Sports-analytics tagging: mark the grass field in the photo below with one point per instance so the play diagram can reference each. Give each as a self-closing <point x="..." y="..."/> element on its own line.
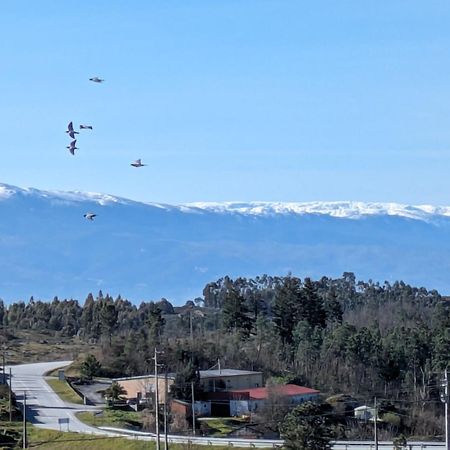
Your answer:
<point x="28" y="346"/>
<point x="63" y="389"/>
<point x="55" y="440"/>
<point x="112" y="418"/>
<point x="222" y="426"/>
<point x="72" y="370"/>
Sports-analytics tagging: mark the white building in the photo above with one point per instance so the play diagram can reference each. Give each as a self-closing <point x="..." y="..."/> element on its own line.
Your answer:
<point x="364" y="413"/>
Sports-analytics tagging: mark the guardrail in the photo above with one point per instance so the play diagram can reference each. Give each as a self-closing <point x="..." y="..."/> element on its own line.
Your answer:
<point x="270" y="443"/>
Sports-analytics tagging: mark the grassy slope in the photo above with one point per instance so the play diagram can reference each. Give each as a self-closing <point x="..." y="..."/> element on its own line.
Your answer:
<point x="63" y="389"/>
<point x="112" y="418"/>
<point x="72" y="370"/>
<point x="28" y="346"/>
<point x="222" y="426"/>
<point x="54" y="440"/>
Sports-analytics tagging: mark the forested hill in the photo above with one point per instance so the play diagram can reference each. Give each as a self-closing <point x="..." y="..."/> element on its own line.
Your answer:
<point x="338" y="335"/>
<point x="150" y="250"/>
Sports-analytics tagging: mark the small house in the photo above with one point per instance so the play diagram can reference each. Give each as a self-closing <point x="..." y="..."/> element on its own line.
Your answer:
<point x="144" y="386"/>
<point x="364" y="412"/>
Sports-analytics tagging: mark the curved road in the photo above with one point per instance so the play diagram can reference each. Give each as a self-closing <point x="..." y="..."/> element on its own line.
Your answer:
<point x="44" y="406"/>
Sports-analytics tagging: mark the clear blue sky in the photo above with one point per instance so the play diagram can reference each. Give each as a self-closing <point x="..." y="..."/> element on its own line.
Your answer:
<point x="285" y="100"/>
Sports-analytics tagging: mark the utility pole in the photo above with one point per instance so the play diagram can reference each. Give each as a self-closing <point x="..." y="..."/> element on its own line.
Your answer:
<point x="445" y="399"/>
<point x="375" y="425"/>
<point x="193" y="408"/>
<point x="10" y="395"/>
<point x="156" y="400"/>
<point x="4" y="365"/>
<point x="24" y="427"/>
<point x="191" y="329"/>
<point x="166" y="394"/>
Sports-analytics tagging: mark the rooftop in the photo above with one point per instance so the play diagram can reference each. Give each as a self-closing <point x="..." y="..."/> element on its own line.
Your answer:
<point x="161" y="376"/>
<point x="288" y="390"/>
<point x="203" y="374"/>
<point x="365" y="408"/>
<point x="226" y="373"/>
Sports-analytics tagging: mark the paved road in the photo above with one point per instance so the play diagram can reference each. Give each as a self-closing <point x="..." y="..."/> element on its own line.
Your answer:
<point x="44" y="406"/>
<point x="91" y="392"/>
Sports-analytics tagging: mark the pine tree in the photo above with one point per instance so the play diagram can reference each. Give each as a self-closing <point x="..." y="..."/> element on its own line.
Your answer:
<point x="108" y="317"/>
<point x="115" y="392"/>
<point x="333" y="308"/>
<point x="235" y="315"/>
<point x="288" y="297"/>
<point x="155" y="325"/>
<point x="305" y="428"/>
<point x="90" y="367"/>
<point x="311" y="306"/>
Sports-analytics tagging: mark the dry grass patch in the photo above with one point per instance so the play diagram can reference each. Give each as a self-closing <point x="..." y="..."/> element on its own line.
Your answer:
<point x="63" y="389"/>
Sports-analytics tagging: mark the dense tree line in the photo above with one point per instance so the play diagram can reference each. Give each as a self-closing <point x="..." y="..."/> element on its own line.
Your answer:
<point x="337" y="335"/>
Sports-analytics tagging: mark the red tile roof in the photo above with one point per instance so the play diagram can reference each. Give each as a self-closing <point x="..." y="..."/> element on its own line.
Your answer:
<point x="288" y="390"/>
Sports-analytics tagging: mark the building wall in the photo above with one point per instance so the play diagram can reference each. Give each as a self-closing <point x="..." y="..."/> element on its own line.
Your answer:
<point x="297" y="399"/>
<point x="202" y="408"/>
<point x="180" y="407"/>
<point x="364" y="413"/>
<point x="244" y="407"/>
<point x="239" y="408"/>
<point x="227" y="383"/>
<point x="144" y="387"/>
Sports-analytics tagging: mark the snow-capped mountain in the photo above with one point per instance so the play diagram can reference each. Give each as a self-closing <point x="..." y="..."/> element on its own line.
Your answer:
<point x="150" y="250"/>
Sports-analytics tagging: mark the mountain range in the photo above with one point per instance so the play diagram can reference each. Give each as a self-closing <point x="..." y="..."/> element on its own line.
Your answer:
<point x="146" y="251"/>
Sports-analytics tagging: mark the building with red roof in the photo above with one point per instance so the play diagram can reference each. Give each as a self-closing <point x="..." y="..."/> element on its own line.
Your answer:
<point x="246" y="401"/>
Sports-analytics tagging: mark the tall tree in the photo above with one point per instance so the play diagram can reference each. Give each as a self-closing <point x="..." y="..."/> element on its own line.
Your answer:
<point x="155" y="325"/>
<point x="90" y="367"/>
<point x="288" y="296"/>
<point x="305" y="428"/>
<point x="115" y="392"/>
<point x="235" y="315"/>
<point x="311" y="306"/>
<point x="108" y="317"/>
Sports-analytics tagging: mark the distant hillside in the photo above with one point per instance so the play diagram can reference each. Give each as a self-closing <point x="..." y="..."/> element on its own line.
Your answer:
<point x="150" y="250"/>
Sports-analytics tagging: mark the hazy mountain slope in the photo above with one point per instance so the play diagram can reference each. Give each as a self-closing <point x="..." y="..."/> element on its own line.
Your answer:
<point x="146" y="251"/>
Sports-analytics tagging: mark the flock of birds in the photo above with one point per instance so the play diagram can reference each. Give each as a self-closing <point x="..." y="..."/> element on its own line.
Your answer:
<point x="72" y="146"/>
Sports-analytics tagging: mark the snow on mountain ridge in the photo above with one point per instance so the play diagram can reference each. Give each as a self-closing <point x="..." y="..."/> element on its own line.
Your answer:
<point x="8" y="191"/>
<point x="5" y="191"/>
<point x="338" y="209"/>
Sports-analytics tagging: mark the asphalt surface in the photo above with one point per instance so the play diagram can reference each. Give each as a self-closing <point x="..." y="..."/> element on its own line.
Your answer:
<point x="45" y="408"/>
<point x="91" y="392"/>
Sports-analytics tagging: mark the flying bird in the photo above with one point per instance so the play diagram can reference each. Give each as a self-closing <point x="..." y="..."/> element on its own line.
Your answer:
<point x="96" y="80"/>
<point x="85" y="127"/>
<point x="137" y="163"/>
<point x="71" y="132"/>
<point x="90" y="216"/>
<point x="72" y="147"/>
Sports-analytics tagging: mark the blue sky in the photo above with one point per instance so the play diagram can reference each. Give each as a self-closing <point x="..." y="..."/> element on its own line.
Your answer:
<point x="277" y="100"/>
